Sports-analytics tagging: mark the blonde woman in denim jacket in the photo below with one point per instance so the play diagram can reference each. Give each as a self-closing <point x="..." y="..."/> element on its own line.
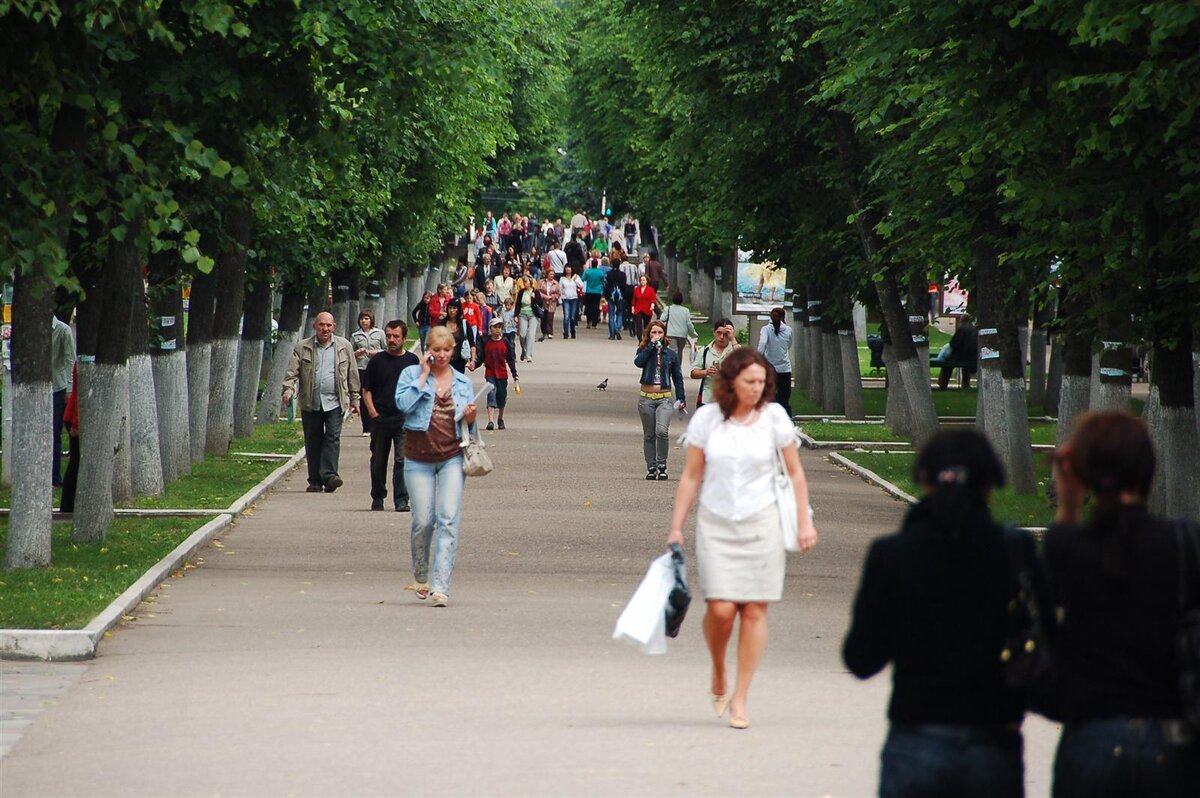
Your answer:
<point x="660" y="370"/>
<point x="434" y="399"/>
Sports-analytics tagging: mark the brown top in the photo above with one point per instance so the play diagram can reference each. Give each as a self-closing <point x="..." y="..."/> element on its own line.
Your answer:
<point x="437" y="443"/>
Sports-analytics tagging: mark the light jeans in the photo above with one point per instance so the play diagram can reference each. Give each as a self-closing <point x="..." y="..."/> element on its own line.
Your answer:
<point x="656" y="429"/>
<point x="435" y="491"/>
<point x="527" y="327"/>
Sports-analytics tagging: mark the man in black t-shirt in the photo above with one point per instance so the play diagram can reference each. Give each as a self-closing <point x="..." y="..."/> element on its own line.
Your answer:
<point x="387" y="423"/>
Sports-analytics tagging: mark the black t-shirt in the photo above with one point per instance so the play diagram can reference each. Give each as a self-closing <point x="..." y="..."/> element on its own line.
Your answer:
<point x="382" y="374"/>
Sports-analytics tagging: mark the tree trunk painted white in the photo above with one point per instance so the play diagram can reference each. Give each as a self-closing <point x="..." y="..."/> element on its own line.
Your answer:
<point x="199" y="355"/>
<point x="29" y="522"/>
<point x="409" y="299"/>
<point x="269" y="408"/>
<point x="1054" y="378"/>
<point x="171" y="397"/>
<point x="122" y="486"/>
<point x="922" y="413"/>
<point x="249" y="367"/>
<point x="833" y="399"/>
<point x="222" y="382"/>
<point x="6" y="425"/>
<point x="146" y="458"/>
<point x="1196" y="386"/>
<point x="100" y="389"/>
<point x="860" y="321"/>
<point x="341" y="318"/>
<point x="1108" y="395"/>
<point x="896" y="413"/>
<point x="1073" y="402"/>
<point x="852" y="389"/>
<point x="1176" y="489"/>
<point x="1017" y="454"/>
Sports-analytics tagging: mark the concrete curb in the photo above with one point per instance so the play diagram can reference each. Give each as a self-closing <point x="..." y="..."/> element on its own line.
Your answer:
<point x="870" y="476"/>
<point x="79" y="644"/>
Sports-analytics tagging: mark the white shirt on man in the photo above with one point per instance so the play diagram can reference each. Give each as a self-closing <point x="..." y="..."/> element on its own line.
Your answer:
<point x="739" y="458"/>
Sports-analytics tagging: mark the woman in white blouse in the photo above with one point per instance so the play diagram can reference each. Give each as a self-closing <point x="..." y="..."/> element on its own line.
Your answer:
<point x="775" y="342"/>
<point x="730" y="465"/>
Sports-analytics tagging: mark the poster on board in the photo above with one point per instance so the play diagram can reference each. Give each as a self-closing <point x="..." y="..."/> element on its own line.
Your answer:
<point x="954" y="298"/>
<point x="760" y="285"/>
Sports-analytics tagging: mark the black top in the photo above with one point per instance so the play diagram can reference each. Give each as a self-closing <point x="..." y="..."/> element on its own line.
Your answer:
<point x="1117" y="635"/>
<point x="964" y="344"/>
<point x="935" y="608"/>
<point x="383" y="370"/>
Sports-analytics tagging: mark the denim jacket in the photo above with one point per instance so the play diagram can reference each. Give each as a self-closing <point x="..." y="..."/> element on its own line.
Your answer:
<point x="670" y="365"/>
<point x="417" y="403"/>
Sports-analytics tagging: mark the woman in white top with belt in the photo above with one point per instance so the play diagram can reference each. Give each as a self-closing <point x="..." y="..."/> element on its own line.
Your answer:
<point x="730" y="465"/>
<point x="775" y="342"/>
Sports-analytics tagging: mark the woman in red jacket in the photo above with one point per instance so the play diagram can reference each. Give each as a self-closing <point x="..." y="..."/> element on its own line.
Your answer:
<point x="644" y="299"/>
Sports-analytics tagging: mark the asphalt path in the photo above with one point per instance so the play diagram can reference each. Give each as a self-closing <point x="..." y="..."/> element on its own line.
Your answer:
<point x="292" y="662"/>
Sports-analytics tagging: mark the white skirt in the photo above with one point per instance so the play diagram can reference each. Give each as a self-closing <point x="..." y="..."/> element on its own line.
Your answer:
<point x="740" y="561"/>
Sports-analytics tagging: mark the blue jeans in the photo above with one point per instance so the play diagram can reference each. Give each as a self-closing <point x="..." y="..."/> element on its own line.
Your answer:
<point x="1143" y="757"/>
<point x="435" y="491"/>
<point x="951" y="760"/>
<point x="570" y="310"/>
<point x="616" y="318"/>
<point x="423" y="330"/>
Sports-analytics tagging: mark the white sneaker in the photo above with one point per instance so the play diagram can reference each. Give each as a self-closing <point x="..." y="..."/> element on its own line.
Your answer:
<point x="440" y="599"/>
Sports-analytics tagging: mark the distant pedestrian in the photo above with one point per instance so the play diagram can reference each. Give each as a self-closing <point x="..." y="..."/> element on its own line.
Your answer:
<point x="614" y="291"/>
<point x="558" y="259"/>
<point x="775" y="342"/>
<point x="499" y="365"/>
<point x="62" y="364"/>
<point x="593" y="291"/>
<point x="660" y="370"/>
<point x="421" y="317"/>
<point x="368" y="341"/>
<point x="680" y="329"/>
<point x="527" y="303"/>
<point x="548" y="288"/>
<point x="70" y="420"/>
<point x="570" y="288"/>
<point x="325" y="369"/>
<point x="464" y="336"/>
<point x="387" y="422"/>
<point x="706" y="363"/>
<point x="642" y="304"/>
<point x="630" y="230"/>
<point x="655" y="272"/>
<point x="933" y="603"/>
<point x="734" y="447"/>
<point x="433" y="397"/>
<point x="503" y="282"/>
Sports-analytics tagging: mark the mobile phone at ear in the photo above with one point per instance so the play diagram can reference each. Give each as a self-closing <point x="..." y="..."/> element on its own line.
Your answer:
<point x="429" y="359"/>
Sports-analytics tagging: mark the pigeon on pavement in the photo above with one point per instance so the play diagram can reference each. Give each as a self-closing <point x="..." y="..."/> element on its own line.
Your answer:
<point x="604" y="385"/>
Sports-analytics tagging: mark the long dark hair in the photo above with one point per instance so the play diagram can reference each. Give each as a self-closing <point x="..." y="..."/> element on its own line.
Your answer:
<point x="1111" y="453"/>
<point x="777" y="315"/>
<point x="958" y="467"/>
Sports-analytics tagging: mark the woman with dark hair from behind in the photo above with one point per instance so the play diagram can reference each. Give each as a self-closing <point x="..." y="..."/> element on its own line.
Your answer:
<point x="933" y="603"/>
<point x="1115" y="577"/>
<point x="775" y="342"/>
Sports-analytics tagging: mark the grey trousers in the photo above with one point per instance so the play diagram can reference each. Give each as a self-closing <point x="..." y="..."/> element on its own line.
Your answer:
<point x="656" y="429"/>
<point x="322" y="444"/>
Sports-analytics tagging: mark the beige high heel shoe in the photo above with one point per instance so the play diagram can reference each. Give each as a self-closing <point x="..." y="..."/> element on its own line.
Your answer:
<point x="720" y="704"/>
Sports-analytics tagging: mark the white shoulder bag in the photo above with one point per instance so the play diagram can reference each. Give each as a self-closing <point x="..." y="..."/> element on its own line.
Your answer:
<point x="785" y="499"/>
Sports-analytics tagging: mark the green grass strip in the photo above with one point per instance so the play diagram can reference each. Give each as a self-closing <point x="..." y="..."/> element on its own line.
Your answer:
<point x="83" y="580"/>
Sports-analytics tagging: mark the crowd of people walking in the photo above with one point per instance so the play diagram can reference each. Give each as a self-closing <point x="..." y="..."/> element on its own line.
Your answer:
<point x="937" y="598"/>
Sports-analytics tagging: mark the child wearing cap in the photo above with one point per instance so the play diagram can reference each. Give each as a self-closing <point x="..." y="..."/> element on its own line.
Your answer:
<point x="499" y="360"/>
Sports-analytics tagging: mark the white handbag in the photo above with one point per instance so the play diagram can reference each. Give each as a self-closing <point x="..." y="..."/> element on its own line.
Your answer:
<point x="476" y="461"/>
<point x="785" y="499"/>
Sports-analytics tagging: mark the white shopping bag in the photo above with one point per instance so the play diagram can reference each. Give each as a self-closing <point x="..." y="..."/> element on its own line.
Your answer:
<point x="643" y="621"/>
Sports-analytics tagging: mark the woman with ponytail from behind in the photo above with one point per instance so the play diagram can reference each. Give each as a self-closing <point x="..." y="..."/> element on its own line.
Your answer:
<point x="775" y="342"/>
<point x="1116" y="577"/>
<point x="932" y="602"/>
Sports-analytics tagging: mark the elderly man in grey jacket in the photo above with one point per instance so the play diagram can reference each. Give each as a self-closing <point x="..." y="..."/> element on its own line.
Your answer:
<point x="327" y="372"/>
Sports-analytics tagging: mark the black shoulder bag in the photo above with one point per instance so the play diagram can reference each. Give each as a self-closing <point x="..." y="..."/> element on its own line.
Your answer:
<point x="1030" y="666"/>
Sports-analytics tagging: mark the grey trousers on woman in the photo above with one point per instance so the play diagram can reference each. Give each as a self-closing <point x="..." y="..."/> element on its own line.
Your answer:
<point x="656" y="429"/>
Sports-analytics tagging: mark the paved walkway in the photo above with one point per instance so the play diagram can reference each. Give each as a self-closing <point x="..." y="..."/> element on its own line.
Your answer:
<point x="292" y="663"/>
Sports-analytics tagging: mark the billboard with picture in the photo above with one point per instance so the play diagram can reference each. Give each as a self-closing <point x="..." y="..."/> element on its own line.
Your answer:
<point x="760" y="286"/>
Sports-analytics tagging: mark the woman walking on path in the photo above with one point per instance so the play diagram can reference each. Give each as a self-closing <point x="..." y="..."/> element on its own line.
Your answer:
<point x="933" y="602"/>
<point x="421" y="316"/>
<point x="464" y="337"/>
<point x="775" y="342"/>
<point x="680" y="329"/>
<point x="614" y="291"/>
<point x="660" y="370"/>
<point x="434" y="397"/>
<point x="368" y="340"/>
<point x="593" y="281"/>
<point x="527" y="299"/>
<point x="1116" y="579"/>
<point x="733" y="449"/>
<point x="503" y="282"/>
<point x="644" y="298"/>
<point x="569" y="288"/>
<point x="548" y="288"/>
